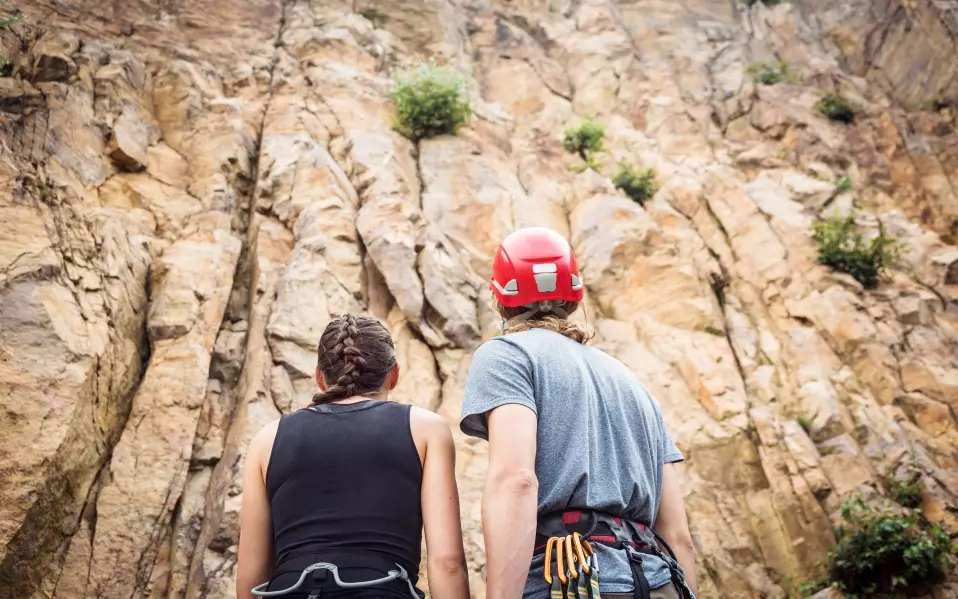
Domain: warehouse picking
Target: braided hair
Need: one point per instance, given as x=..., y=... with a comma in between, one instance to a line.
x=356, y=354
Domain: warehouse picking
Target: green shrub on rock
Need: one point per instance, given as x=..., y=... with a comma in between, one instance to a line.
x=886, y=553
x=585, y=140
x=638, y=185
x=5, y=66
x=772, y=74
x=842, y=246
x=836, y=108
x=430, y=102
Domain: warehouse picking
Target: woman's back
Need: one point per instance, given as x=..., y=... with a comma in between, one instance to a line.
x=347, y=478
x=352, y=483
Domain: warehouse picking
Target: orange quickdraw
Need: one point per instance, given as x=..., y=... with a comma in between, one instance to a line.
x=569, y=551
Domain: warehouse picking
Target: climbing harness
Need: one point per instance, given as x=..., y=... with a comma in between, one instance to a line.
x=317, y=573
x=570, y=535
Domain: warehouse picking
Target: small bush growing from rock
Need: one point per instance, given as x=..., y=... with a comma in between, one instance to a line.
x=429, y=102
x=585, y=140
x=836, y=108
x=907, y=490
x=842, y=246
x=884, y=553
x=5, y=66
x=844, y=184
x=638, y=185
x=772, y=74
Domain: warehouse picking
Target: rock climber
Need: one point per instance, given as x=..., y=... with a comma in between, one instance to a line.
x=581, y=486
x=336, y=495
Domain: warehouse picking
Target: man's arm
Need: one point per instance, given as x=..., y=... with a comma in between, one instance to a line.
x=509, y=501
x=672, y=524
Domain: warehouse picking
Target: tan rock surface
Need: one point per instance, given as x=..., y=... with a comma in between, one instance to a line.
x=189, y=193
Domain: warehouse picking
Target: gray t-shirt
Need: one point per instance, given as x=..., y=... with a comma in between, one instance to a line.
x=601, y=440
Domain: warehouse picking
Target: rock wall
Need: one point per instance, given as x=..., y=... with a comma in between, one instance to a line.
x=191, y=190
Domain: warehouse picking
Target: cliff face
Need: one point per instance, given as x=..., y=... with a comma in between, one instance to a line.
x=191, y=190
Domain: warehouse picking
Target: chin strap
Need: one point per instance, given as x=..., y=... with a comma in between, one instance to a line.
x=553, y=307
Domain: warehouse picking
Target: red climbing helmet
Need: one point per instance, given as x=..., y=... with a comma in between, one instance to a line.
x=532, y=265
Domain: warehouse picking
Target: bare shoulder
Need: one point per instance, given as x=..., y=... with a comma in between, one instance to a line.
x=429, y=424
x=261, y=445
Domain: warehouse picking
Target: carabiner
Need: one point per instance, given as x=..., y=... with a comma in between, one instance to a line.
x=548, y=562
x=559, y=564
x=570, y=555
x=577, y=541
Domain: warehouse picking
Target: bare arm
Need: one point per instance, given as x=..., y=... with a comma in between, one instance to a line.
x=672, y=524
x=445, y=556
x=509, y=500
x=256, y=559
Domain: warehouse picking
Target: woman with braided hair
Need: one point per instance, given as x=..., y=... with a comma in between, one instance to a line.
x=337, y=495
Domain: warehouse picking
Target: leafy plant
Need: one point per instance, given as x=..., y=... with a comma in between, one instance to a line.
x=585, y=140
x=836, y=108
x=5, y=66
x=12, y=20
x=429, y=102
x=844, y=184
x=638, y=185
x=842, y=246
x=772, y=74
x=805, y=423
x=907, y=490
x=880, y=552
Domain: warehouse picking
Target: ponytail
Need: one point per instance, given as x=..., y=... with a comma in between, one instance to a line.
x=550, y=322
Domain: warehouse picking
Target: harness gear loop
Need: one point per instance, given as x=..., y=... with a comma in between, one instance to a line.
x=393, y=575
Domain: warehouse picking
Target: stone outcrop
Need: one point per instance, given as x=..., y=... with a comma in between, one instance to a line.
x=190, y=191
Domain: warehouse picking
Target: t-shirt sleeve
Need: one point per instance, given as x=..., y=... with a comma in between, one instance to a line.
x=670, y=451
x=501, y=373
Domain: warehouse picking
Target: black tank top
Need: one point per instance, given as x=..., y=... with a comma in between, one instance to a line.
x=346, y=478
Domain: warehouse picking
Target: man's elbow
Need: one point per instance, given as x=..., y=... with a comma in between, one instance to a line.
x=519, y=482
x=679, y=540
